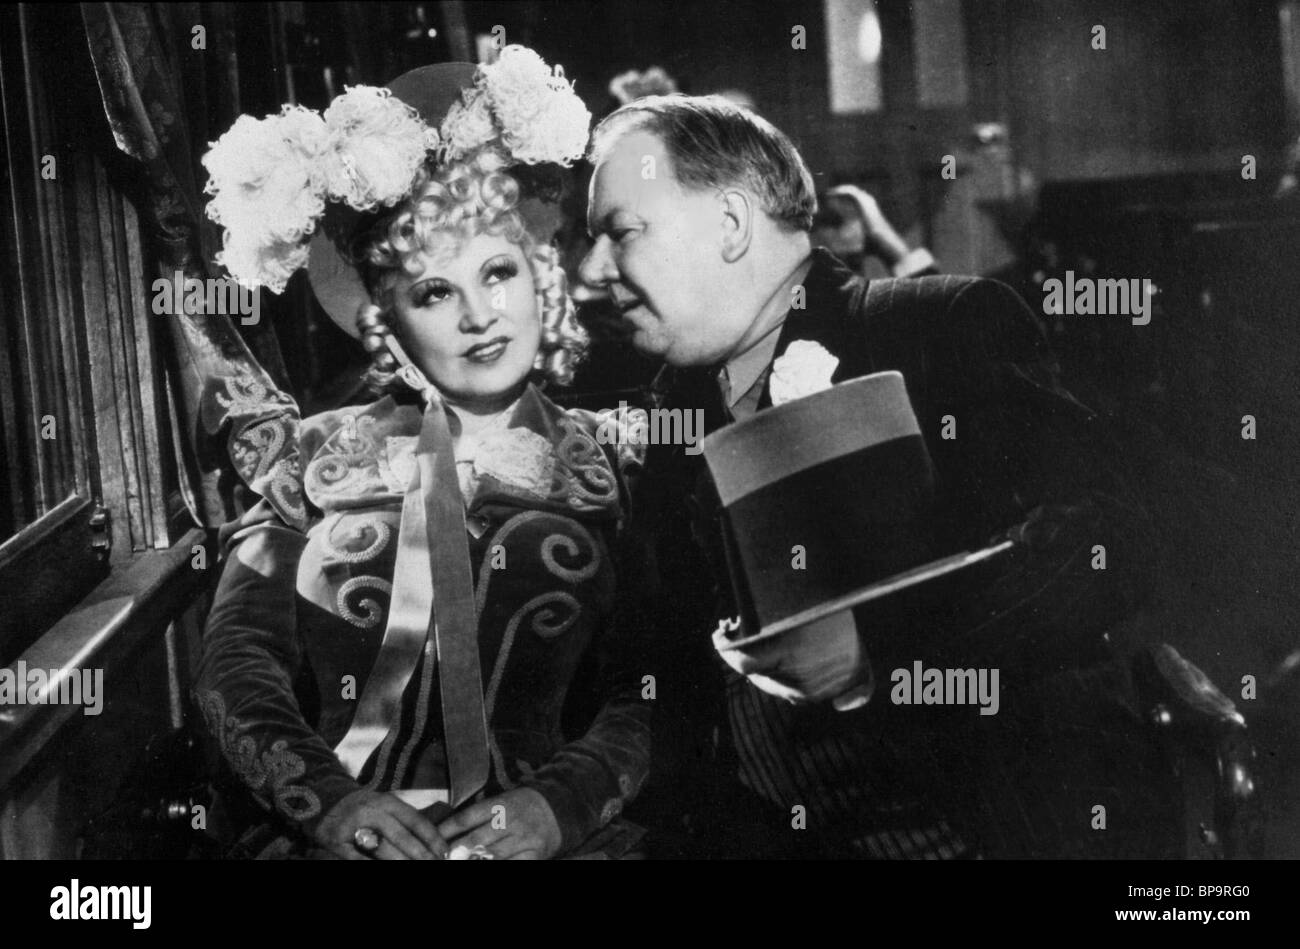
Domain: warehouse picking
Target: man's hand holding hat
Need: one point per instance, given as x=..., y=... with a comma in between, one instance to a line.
x=822, y=661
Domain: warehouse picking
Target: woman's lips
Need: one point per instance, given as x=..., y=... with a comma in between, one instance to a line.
x=487, y=352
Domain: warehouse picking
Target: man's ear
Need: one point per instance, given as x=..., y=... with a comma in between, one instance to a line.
x=738, y=210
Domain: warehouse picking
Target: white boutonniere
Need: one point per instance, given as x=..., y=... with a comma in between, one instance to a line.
x=805, y=367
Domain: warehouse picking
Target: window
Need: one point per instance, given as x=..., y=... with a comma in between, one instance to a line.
x=85, y=479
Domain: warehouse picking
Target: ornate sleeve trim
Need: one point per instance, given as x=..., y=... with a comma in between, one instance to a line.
x=263, y=439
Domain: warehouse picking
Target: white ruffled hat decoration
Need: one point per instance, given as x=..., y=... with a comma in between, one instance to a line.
x=271, y=178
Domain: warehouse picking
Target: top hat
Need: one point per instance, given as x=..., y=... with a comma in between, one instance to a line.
x=825, y=519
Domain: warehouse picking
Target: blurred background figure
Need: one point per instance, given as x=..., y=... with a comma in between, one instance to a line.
x=632, y=85
x=850, y=224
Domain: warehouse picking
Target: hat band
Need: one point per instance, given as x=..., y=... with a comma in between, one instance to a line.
x=777, y=444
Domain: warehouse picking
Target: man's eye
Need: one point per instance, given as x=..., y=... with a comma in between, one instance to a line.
x=620, y=234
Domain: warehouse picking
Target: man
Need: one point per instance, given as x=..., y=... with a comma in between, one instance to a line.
x=701, y=212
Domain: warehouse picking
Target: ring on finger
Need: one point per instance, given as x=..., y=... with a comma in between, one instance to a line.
x=461, y=852
x=367, y=839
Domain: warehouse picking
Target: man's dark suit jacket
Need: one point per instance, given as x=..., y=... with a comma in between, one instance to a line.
x=734, y=766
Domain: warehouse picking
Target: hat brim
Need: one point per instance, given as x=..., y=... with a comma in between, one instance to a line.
x=431, y=91
x=932, y=580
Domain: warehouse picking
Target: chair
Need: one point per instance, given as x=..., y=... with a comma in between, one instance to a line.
x=1208, y=750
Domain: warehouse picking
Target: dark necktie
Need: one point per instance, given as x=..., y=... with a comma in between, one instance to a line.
x=717, y=411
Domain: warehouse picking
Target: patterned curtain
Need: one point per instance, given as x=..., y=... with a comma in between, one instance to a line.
x=235, y=415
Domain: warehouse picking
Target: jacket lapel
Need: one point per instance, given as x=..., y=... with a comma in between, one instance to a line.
x=829, y=289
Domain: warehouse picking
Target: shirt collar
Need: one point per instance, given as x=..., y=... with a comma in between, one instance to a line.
x=744, y=369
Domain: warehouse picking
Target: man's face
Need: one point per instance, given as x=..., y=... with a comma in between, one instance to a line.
x=658, y=250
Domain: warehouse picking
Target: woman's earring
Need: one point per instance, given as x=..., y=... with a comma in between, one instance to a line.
x=539, y=361
x=548, y=260
x=386, y=351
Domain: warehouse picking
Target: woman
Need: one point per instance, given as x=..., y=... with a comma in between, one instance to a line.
x=391, y=681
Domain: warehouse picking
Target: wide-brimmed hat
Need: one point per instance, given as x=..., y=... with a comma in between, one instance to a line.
x=431, y=91
x=299, y=187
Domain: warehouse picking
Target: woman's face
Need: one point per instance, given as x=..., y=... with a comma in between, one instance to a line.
x=470, y=322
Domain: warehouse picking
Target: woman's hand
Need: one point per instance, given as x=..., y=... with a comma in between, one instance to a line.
x=404, y=833
x=517, y=825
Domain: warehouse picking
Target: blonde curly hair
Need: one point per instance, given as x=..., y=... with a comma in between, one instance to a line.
x=449, y=205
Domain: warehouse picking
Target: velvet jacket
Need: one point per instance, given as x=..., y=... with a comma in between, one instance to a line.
x=1028, y=460
x=299, y=616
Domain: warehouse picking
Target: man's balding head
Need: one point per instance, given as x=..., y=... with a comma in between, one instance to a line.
x=712, y=142
x=698, y=211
